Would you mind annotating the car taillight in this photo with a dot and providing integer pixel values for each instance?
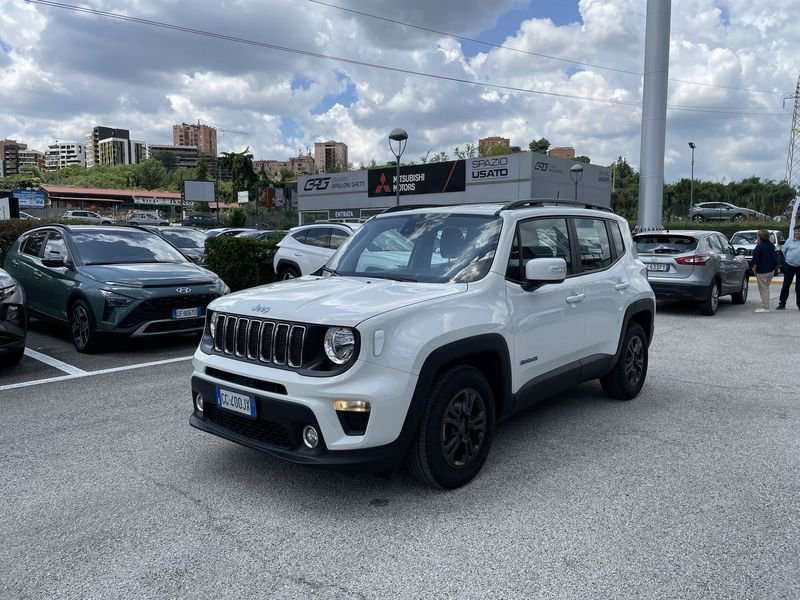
(697, 259)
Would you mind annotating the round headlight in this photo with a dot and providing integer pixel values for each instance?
(340, 344)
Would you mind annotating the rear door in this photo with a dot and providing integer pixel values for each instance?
(315, 250)
(731, 267)
(56, 282)
(28, 269)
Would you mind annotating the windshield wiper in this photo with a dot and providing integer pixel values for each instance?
(389, 276)
(329, 270)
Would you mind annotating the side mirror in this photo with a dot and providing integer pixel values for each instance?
(541, 271)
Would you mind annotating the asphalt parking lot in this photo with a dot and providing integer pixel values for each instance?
(690, 491)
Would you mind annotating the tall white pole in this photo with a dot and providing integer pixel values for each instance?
(654, 114)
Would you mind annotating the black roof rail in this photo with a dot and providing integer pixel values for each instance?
(404, 207)
(532, 203)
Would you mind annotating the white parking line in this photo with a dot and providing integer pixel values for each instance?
(54, 362)
(83, 374)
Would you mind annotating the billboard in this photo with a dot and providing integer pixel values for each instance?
(30, 198)
(199, 191)
(9, 208)
(243, 197)
(430, 178)
(351, 182)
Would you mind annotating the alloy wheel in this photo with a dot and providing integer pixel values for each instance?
(715, 297)
(287, 275)
(464, 426)
(634, 361)
(80, 326)
(745, 289)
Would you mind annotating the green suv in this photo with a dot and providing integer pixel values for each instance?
(111, 280)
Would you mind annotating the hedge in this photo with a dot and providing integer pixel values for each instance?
(241, 262)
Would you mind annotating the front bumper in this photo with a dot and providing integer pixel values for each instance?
(676, 290)
(13, 329)
(286, 402)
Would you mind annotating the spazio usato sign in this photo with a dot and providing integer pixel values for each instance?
(490, 168)
(431, 178)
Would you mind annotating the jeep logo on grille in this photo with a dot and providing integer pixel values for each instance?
(184, 290)
(260, 308)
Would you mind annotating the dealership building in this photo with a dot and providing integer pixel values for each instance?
(361, 194)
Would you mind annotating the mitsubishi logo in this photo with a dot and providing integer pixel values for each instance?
(184, 290)
(383, 185)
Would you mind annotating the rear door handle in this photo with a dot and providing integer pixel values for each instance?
(622, 286)
(38, 274)
(575, 299)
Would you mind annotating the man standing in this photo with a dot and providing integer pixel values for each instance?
(765, 261)
(791, 268)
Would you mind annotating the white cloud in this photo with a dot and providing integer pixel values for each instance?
(61, 73)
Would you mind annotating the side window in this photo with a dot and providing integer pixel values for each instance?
(714, 244)
(33, 245)
(617, 239)
(338, 237)
(319, 236)
(300, 236)
(55, 247)
(539, 238)
(594, 246)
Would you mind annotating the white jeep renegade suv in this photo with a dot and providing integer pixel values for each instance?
(427, 327)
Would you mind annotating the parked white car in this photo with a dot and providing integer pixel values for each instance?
(305, 249)
(88, 216)
(394, 355)
(146, 218)
(744, 242)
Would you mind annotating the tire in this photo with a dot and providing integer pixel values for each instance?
(738, 218)
(286, 273)
(12, 358)
(740, 297)
(82, 327)
(450, 448)
(626, 379)
(698, 218)
(711, 303)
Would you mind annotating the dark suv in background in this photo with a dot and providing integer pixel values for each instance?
(111, 280)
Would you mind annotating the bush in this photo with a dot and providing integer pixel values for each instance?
(727, 228)
(238, 218)
(10, 231)
(241, 262)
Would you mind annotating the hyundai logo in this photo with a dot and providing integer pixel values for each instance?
(184, 290)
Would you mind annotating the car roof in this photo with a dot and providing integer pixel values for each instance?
(535, 207)
(684, 232)
(756, 231)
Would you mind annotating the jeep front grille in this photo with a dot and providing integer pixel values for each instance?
(259, 340)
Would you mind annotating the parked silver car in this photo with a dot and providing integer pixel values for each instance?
(86, 216)
(722, 211)
(695, 266)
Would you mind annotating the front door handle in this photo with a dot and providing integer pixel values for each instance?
(575, 299)
(622, 286)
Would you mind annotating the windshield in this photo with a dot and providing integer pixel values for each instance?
(665, 244)
(98, 247)
(433, 248)
(185, 238)
(745, 237)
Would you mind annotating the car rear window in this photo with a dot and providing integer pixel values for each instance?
(665, 244)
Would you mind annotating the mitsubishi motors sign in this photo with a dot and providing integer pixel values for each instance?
(431, 178)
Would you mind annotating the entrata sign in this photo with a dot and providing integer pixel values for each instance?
(431, 178)
(344, 213)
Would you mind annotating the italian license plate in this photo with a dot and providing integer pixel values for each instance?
(236, 402)
(186, 313)
(657, 267)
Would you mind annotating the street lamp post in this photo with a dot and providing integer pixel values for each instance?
(691, 184)
(401, 137)
(576, 173)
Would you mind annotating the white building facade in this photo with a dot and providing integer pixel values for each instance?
(65, 154)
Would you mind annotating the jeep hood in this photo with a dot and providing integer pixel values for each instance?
(345, 301)
(150, 274)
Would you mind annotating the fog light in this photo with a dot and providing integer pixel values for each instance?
(310, 437)
(351, 406)
(198, 402)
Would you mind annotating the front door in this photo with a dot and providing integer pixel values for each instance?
(549, 323)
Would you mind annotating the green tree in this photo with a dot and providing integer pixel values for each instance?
(469, 151)
(202, 168)
(150, 174)
(583, 159)
(541, 146)
(167, 159)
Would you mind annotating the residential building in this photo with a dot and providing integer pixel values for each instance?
(330, 156)
(174, 157)
(65, 154)
(565, 152)
(203, 137)
(30, 160)
(120, 151)
(96, 135)
(487, 143)
(9, 157)
(297, 165)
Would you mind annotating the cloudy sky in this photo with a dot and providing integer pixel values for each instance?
(61, 73)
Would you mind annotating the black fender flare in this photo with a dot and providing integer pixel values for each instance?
(451, 354)
(645, 306)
